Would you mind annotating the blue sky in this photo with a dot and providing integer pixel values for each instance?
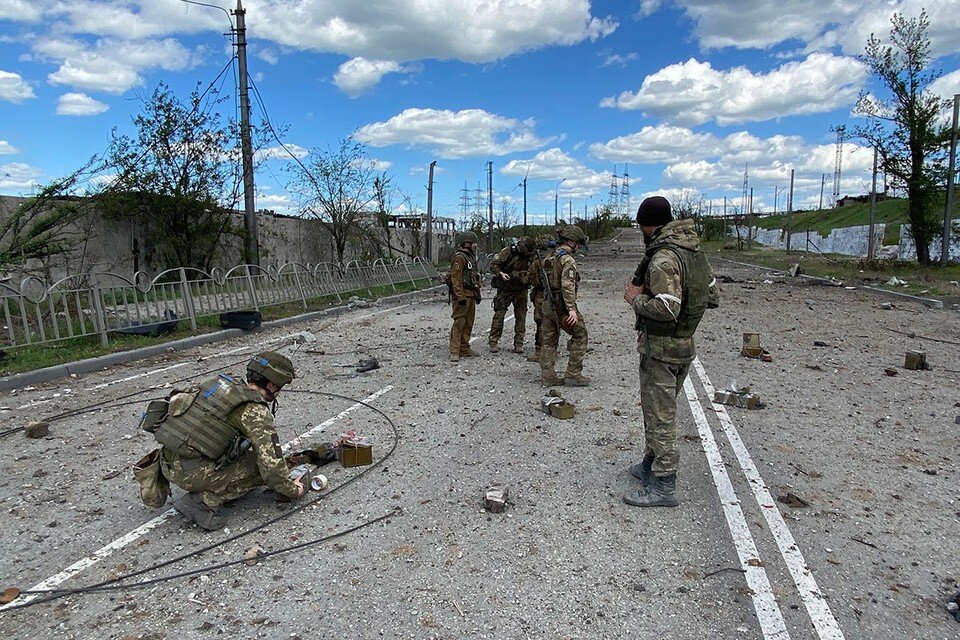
(686, 93)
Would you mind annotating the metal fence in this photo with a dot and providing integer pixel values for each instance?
(95, 304)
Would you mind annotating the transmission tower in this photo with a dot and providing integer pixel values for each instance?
(479, 200)
(465, 201)
(746, 188)
(624, 193)
(614, 203)
(841, 134)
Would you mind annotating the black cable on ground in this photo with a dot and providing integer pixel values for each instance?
(114, 584)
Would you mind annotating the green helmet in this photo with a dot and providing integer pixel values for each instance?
(574, 233)
(273, 366)
(526, 245)
(465, 237)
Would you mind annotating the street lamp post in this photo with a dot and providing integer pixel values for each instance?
(556, 200)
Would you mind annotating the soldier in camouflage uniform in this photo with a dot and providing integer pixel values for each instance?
(464, 282)
(544, 247)
(672, 288)
(218, 440)
(560, 312)
(510, 269)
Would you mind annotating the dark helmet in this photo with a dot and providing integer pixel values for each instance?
(546, 241)
(526, 245)
(574, 233)
(654, 212)
(272, 366)
(465, 237)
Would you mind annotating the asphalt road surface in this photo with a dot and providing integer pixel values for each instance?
(864, 545)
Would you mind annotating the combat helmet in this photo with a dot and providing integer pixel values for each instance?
(465, 237)
(526, 245)
(272, 366)
(574, 233)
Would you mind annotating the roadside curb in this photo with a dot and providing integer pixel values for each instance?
(933, 303)
(55, 372)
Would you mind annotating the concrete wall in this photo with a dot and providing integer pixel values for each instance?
(103, 245)
(851, 241)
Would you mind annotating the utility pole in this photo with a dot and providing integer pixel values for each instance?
(556, 200)
(429, 242)
(790, 211)
(490, 206)
(951, 178)
(750, 222)
(524, 205)
(823, 181)
(873, 208)
(246, 147)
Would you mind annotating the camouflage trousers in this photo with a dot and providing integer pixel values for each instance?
(464, 313)
(660, 384)
(215, 487)
(537, 299)
(501, 303)
(551, 330)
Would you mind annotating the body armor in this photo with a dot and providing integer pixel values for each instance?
(196, 421)
(470, 279)
(695, 276)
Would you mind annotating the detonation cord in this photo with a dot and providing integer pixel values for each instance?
(113, 584)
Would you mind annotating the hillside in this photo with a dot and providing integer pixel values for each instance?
(892, 212)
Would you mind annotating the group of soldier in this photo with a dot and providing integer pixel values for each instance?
(218, 439)
(543, 269)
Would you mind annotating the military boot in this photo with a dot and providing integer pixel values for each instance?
(644, 470)
(554, 380)
(517, 348)
(577, 380)
(193, 507)
(469, 353)
(494, 348)
(534, 357)
(454, 357)
(662, 493)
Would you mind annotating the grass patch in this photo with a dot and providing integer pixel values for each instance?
(892, 213)
(934, 281)
(32, 357)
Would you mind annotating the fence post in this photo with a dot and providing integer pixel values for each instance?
(99, 313)
(188, 299)
(303, 296)
(368, 275)
(251, 290)
(386, 270)
(413, 283)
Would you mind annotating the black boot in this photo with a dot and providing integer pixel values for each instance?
(193, 507)
(643, 471)
(662, 493)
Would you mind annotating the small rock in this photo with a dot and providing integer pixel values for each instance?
(495, 499)
(886, 306)
(37, 429)
(809, 302)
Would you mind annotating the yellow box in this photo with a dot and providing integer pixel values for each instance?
(356, 455)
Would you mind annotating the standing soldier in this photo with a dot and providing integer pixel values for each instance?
(672, 288)
(218, 442)
(465, 290)
(510, 269)
(560, 311)
(543, 248)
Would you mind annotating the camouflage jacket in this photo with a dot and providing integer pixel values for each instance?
(561, 268)
(255, 422)
(464, 278)
(510, 261)
(664, 294)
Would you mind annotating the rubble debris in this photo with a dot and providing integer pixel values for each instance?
(252, 554)
(794, 270)
(738, 396)
(304, 337)
(557, 407)
(896, 282)
(820, 343)
(792, 500)
(890, 371)
(367, 364)
(495, 498)
(886, 306)
(9, 595)
(953, 606)
(37, 429)
(916, 361)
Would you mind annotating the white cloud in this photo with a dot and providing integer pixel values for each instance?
(278, 152)
(19, 177)
(648, 7)
(383, 165)
(269, 55)
(20, 10)
(453, 134)
(356, 76)
(136, 20)
(619, 60)
(693, 92)
(398, 30)
(13, 88)
(79, 104)
(278, 203)
(111, 65)
(652, 145)
(556, 165)
(947, 85)
(6, 148)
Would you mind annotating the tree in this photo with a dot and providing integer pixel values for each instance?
(336, 187)
(42, 227)
(904, 127)
(176, 177)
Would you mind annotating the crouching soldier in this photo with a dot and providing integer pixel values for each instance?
(218, 441)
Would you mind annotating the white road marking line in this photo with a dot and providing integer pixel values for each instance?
(375, 313)
(813, 599)
(152, 524)
(139, 375)
(768, 611)
(509, 317)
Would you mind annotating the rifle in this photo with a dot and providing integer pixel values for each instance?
(559, 309)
